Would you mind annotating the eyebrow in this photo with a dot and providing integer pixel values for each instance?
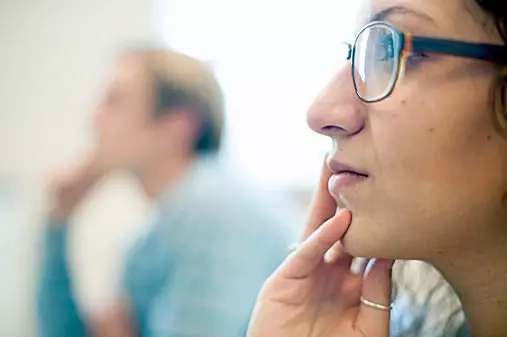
(400, 9)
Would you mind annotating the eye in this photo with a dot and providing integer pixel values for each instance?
(415, 58)
(418, 55)
(385, 47)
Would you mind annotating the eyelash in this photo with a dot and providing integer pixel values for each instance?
(414, 59)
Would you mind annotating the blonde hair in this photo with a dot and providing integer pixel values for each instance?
(182, 80)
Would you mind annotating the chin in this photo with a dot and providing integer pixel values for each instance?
(367, 238)
(359, 245)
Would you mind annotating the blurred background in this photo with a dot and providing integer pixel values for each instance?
(271, 57)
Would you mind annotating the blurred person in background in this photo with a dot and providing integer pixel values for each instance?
(213, 241)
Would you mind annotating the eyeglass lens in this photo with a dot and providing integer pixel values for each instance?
(375, 62)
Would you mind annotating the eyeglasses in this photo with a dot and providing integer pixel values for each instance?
(380, 54)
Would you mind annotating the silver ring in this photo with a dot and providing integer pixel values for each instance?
(293, 247)
(376, 306)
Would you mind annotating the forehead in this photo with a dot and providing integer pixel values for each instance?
(130, 71)
(131, 67)
(461, 19)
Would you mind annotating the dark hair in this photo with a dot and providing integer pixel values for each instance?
(497, 11)
(182, 81)
(169, 96)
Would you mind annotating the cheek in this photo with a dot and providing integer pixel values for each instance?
(121, 132)
(439, 138)
(434, 164)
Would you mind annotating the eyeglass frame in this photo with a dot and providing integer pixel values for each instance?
(406, 43)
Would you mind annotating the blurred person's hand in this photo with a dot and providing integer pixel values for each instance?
(69, 186)
(309, 295)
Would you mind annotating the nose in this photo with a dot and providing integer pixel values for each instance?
(337, 112)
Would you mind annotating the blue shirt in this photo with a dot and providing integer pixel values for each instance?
(196, 273)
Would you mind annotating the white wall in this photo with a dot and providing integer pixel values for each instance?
(52, 57)
(273, 58)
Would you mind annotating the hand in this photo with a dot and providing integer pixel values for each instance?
(116, 321)
(311, 296)
(69, 187)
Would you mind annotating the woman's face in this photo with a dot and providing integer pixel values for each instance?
(436, 166)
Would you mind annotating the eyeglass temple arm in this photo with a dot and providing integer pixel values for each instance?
(486, 52)
(350, 50)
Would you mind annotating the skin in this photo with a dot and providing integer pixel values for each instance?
(128, 137)
(435, 190)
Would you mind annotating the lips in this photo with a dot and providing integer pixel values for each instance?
(338, 168)
(344, 176)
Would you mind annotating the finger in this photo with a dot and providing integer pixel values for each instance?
(310, 253)
(337, 254)
(376, 289)
(358, 265)
(323, 207)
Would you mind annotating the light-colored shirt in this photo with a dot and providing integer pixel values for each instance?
(197, 272)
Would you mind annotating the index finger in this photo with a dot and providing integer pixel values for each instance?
(323, 207)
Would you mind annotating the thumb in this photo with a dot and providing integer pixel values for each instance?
(374, 312)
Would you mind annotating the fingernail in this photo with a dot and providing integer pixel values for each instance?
(381, 263)
(328, 257)
(369, 266)
(357, 265)
(341, 211)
